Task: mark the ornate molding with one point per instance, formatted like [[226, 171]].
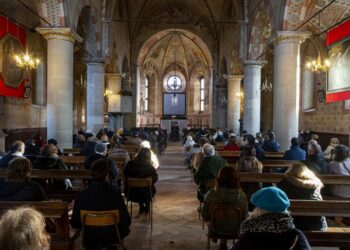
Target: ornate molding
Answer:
[[290, 37], [235, 77], [66, 34], [113, 76], [255, 63]]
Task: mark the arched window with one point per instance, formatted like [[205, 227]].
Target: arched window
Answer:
[[146, 95], [201, 99], [308, 91]]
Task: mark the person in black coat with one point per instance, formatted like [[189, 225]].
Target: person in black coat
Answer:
[[17, 186], [17, 150], [270, 226], [301, 183], [99, 196], [141, 167], [315, 161], [89, 148]]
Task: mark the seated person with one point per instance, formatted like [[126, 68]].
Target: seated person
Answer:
[[54, 142], [340, 166], [23, 228], [101, 152], [17, 150], [116, 151], [49, 160], [315, 161], [220, 135], [295, 152], [227, 190], [329, 152], [89, 148], [271, 145], [154, 158], [208, 169], [198, 157], [141, 167], [232, 143], [260, 153], [301, 183], [18, 186], [31, 149], [270, 226], [80, 142], [100, 196]]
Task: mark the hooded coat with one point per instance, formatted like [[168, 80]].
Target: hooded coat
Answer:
[[309, 189], [271, 231], [232, 196]]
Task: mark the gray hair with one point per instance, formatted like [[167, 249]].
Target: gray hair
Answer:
[[314, 146], [208, 150]]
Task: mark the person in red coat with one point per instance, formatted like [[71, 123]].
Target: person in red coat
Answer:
[[232, 144]]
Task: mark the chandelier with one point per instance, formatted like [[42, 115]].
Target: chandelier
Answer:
[[26, 61], [318, 65], [265, 86]]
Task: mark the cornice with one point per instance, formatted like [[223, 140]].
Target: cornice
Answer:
[[66, 34]]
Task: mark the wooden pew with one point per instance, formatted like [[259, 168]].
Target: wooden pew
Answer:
[[71, 151], [337, 236], [56, 211], [77, 161], [236, 154], [272, 164]]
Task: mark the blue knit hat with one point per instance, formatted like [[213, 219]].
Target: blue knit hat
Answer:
[[271, 199]]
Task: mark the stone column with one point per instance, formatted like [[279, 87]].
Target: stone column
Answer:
[[40, 84], [252, 96], [286, 86], [60, 42], [233, 102], [114, 101], [95, 96]]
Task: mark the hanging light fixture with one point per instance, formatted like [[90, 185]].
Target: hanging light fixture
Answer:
[[265, 86], [317, 65]]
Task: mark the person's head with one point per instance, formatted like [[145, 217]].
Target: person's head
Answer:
[[104, 139], [271, 136], [248, 151], [250, 139], [341, 152], [313, 147], [52, 141], [80, 138], [314, 137], [189, 138], [233, 140], [334, 141], [302, 172], [99, 170], [92, 138], [271, 199], [101, 148], [295, 141], [144, 155], [19, 170], [203, 140], [145, 144], [23, 228], [228, 178], [18, 147], [49, 150], [208, 150]]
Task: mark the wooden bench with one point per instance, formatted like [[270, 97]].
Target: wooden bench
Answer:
[[56, 211], [71, 151], [77, 161], [335, 236], [233, 156], [272, 164]]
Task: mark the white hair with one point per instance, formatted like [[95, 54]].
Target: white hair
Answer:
[[208, 150], [145, 144]]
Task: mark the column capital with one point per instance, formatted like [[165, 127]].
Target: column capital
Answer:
[[235, 77], [95, 61], [290, 37], [66, 34], [255, 63], [113, 75]]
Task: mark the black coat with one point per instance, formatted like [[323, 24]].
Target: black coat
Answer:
[[137, 169], [4, 161], [316, 163], [25, 191], [272, 241], [89, 149], [100, 196]]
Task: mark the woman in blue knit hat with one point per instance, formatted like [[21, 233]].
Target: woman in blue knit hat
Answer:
[[270, 226]]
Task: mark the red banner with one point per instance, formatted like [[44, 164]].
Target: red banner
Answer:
[[9, 27]]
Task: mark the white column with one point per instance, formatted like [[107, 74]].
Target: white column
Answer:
[[252, 96], [286, 86], [60, 42], [95, 96], [233, 102]]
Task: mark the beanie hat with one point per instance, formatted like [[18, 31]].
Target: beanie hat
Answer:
[[271, 199], [100, 148]]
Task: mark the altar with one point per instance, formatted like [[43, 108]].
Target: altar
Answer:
[[168, 123]]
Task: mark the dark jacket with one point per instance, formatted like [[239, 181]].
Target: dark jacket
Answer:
[[209, 168], [138, 169], [89, 149], [24, 191], [100, 196], [316, 163], [271, 146], [4, 161], [113, 170], [295, 153], [271, 231], [80, 145], [296, 188]]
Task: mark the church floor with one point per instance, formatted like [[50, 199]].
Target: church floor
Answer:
[[175, 217]]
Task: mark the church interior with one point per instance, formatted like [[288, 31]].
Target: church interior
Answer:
[[226, 67]]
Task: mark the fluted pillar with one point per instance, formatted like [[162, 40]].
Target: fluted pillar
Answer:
[[286, 96], [252, 96], [60, 42], [233, 102], [95, 96]]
